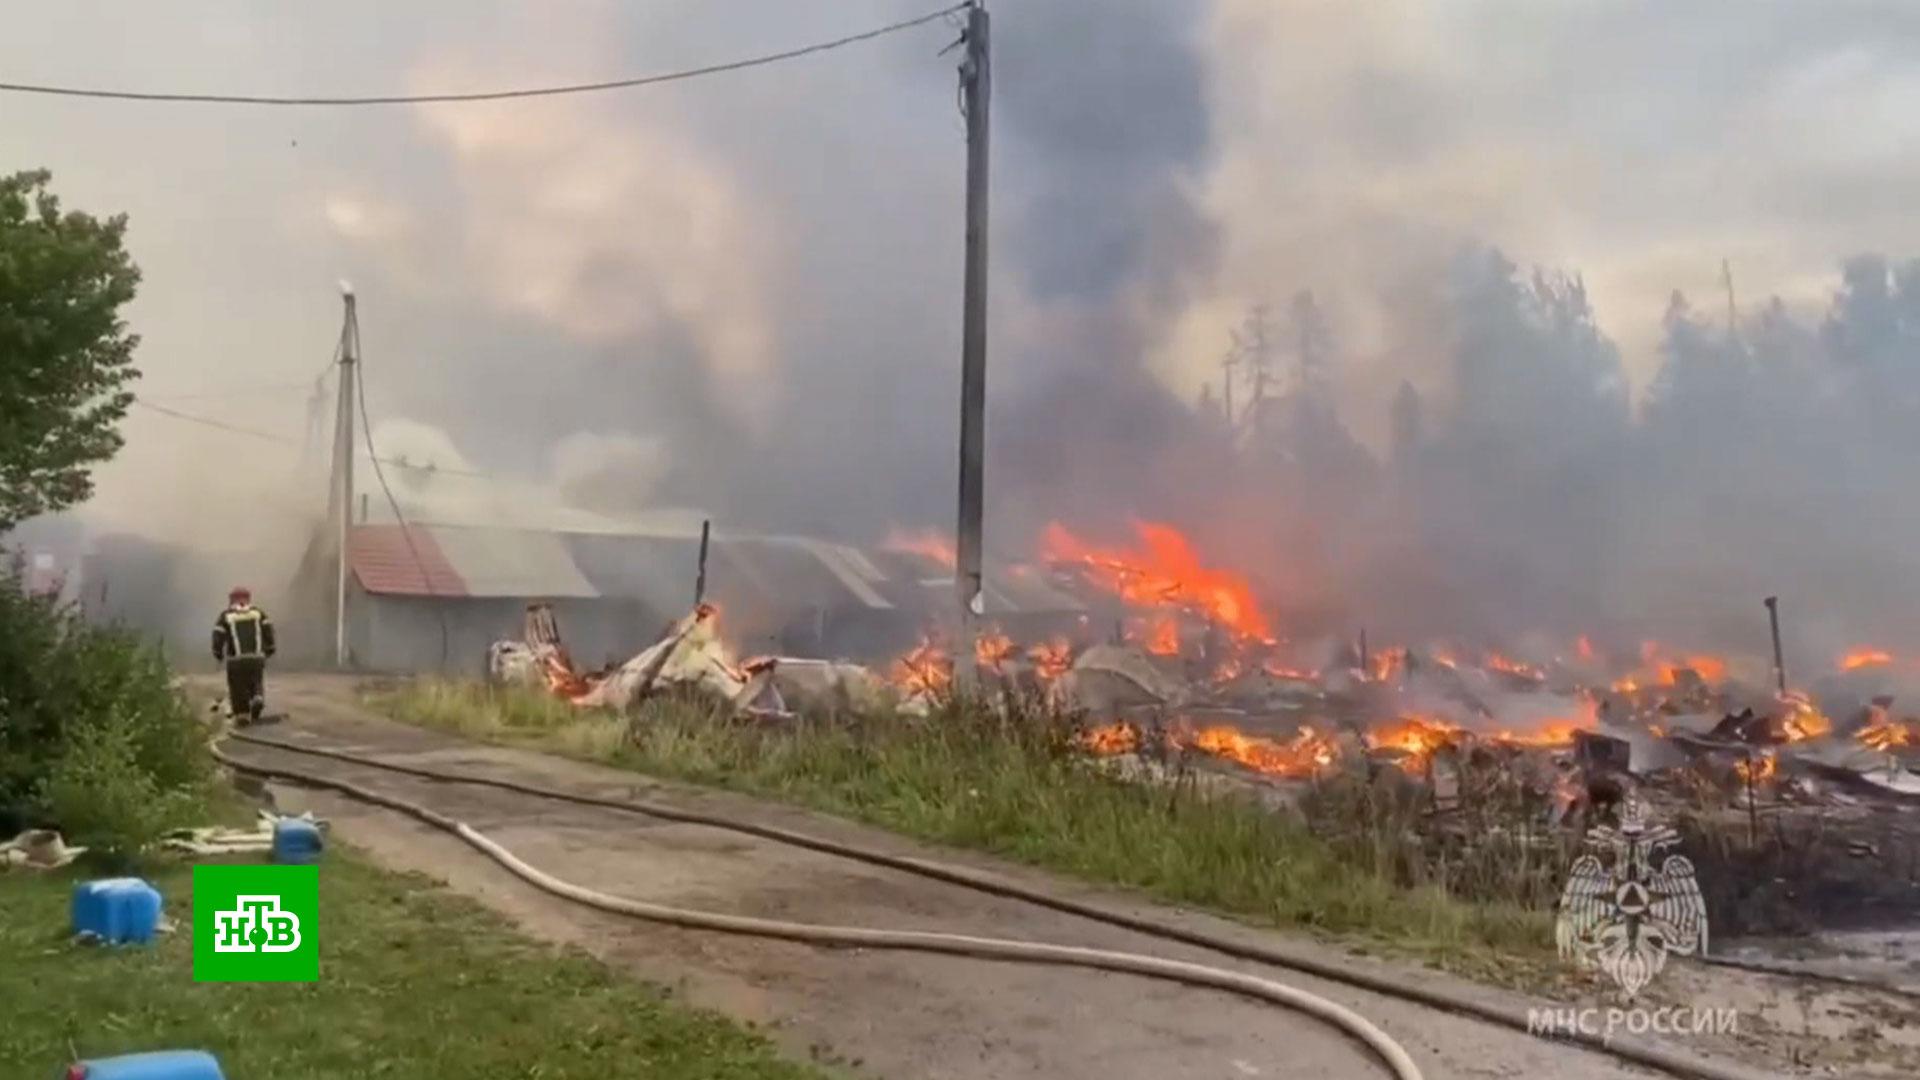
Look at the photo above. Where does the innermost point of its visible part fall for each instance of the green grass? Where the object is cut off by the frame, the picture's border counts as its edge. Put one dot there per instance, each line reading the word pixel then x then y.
pixel 1015 788
pixel 415 982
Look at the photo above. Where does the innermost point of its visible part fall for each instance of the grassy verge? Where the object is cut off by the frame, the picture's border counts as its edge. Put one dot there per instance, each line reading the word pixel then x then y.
pixel 415 982
pixel 1016 790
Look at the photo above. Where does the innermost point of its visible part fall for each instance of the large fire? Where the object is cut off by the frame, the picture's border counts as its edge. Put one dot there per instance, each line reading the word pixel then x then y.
pixel 1162 637
pixel 1886 734
pixel 992 647
pixel 1658 670
pixel 1860 658
pixel 1303 755
pixel 1497 662
pixel 924 542
pixel 1801 720
pixel 1415 736
pixel 1118 738
pixel 1163 572
pixel 1758 769
pixel 926 670
pixel 1051 658
pixel 1383 665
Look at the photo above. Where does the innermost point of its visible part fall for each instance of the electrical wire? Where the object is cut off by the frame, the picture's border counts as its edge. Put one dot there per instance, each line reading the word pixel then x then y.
pixel 286 441
pixel 352 328
pixel 488 95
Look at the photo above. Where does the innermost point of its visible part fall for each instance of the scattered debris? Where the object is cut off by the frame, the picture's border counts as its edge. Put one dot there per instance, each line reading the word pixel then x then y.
pixel 38 849
pixel 228 840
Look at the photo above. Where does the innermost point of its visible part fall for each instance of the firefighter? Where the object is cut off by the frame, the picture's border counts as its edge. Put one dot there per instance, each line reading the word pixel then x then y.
pixel 243 640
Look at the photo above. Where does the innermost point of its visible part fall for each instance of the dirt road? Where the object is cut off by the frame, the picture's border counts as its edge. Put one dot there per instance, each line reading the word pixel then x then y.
pixel 889 1013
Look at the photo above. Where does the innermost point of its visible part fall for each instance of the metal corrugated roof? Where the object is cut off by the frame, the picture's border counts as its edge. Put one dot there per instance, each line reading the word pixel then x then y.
pixel 916 580
pixel 385 564
pixel 658 571
pixel 513 562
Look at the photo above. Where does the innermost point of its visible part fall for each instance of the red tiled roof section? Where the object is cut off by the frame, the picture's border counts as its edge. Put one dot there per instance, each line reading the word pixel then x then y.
pixel 386 565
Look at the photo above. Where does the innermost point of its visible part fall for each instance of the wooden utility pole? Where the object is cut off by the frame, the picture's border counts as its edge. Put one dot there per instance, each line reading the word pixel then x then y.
pixel 1779 657
pixel 700 581
pixel 343 469
pixel 1227 364
pixel 1733 312
pixel 975 89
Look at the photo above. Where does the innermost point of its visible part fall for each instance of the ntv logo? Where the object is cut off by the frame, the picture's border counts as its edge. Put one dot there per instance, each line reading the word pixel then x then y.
pixel 256 924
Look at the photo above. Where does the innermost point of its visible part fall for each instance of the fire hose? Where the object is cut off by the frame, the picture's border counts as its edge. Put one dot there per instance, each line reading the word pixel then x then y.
pixel 1628 1048
pixel 1351 1023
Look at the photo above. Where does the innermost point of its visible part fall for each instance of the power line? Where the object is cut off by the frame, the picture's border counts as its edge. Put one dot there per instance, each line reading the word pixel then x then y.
pixel 235 392
pixel 366 431
pixel 486 95
pixel 286 441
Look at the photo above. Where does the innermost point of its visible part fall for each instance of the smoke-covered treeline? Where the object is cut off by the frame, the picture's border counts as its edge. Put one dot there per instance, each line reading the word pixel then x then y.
pixel 1532 501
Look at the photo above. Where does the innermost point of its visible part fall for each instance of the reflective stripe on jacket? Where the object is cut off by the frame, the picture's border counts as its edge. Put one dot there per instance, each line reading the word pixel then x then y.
pixel 243 633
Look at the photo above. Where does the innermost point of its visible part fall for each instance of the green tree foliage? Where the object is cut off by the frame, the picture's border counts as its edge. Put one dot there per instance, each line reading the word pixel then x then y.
pixel 94 740
pixel 65 353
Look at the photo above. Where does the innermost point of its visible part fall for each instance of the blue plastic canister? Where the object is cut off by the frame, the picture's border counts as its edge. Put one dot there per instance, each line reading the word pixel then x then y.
pixel 116 910
pixel 165 1065
pixel 296 841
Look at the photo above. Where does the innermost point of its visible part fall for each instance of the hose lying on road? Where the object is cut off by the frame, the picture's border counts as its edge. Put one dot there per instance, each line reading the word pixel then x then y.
pixel 1626 1047
pixel 1348 1021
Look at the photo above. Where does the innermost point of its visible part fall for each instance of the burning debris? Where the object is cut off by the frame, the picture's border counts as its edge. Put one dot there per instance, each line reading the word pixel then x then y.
pixel 1524 746
pixel 690 657
pixel 1165 576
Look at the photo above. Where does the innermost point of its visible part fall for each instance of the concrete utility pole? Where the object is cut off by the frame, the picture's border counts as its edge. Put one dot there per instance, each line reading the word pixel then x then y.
pixel 343 467
pixel 975 88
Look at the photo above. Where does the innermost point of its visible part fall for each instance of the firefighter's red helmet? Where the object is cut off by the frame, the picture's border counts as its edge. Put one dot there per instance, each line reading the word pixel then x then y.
pixel 240 594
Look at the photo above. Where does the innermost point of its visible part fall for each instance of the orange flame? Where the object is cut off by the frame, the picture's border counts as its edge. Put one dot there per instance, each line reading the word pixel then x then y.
pixel 1885 734
pixel 1585 648
pixel 925 542
pixel 1802 721
pixel 1164 572
pixel 926 669
pixel 992 647
pixel 1305 754
pixel 1757 770
pixel 1554 733
pixel 1384 664
pixel 1163 637
pixel 1497 662
pixel 1557 730
pixel 1664 671
pixel 1416 736
pixel 1051 659
pixel 1116 738
pixel 1279 670
pixel 562 680
pixel 1860 658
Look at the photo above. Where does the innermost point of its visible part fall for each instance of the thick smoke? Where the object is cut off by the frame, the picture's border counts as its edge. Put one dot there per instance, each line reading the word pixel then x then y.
pixel 741 295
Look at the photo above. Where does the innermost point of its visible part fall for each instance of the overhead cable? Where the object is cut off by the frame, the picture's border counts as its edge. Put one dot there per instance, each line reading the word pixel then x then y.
pixel 482 95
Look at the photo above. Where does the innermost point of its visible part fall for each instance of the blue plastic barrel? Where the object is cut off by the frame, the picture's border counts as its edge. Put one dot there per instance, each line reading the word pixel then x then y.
pixel 165 1065
pixel 116 910
pixel 296 841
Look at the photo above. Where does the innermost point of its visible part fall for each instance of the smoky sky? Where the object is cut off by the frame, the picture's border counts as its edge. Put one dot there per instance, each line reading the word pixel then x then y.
pixel 759 273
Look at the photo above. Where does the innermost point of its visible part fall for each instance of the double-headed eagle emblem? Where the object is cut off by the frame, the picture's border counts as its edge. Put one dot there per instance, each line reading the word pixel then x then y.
pixel 1621 913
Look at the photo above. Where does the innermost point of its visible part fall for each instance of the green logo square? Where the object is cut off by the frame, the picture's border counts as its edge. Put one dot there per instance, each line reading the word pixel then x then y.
pixel 256 924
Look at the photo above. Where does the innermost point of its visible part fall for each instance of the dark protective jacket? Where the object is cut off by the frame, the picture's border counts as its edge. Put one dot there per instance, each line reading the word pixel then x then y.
pixel 242 631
